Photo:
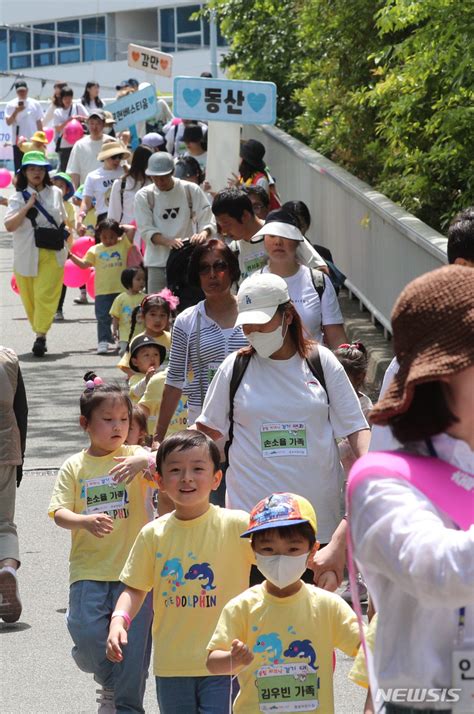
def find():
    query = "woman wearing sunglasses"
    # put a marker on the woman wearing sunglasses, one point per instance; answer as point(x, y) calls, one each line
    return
point(98, 183)
point(203, 335)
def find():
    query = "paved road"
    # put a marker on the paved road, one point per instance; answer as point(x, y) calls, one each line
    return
point(37, 674)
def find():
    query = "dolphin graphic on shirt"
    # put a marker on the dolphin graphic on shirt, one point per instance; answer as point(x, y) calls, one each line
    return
point(201, 571)
point(300, 649)
point(173, 570)
point(270, 644)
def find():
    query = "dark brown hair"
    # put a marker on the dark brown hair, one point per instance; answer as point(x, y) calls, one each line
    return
point(141, 418)
point(21, 183)
point(428, 414)
point(304, 345)
point(287, 532)
point(354, 360)
point(183, 441)
point(91, 399)
point(201, 249)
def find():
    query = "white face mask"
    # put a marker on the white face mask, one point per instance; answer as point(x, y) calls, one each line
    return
point(266, 343)
point(282, 570)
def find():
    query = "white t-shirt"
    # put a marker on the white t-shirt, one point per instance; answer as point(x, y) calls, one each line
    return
point(253, 256)
point(26, 119)
point(284, 431)
point(83, 157)
point(419, 570)
point(382, 438)
point(60, 116)
point(123, 211)
point(98, 185)
point(313, 312)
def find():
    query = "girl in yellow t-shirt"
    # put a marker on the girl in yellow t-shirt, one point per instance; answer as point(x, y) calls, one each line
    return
point(104, 515)
point(154, 312)
point(109, 257)
point(133, 280)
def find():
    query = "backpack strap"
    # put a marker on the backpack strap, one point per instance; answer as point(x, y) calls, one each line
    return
point(241, 363)
point(319, 284)
point(314, 363)
point(122, 191)
point(150, 197)
point(41, 209)
point(189, 198)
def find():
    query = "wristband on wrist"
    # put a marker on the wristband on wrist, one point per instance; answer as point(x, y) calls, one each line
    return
point(150, 470)
point(125, 615)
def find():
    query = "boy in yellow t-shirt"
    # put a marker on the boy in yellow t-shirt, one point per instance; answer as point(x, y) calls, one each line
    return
point(195, 561)
point(133, 280)
point(279, 636)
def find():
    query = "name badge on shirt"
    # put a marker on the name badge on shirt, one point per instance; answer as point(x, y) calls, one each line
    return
point(254, 262)
point(104, 494)
point(287, 688)
point(212, 368)
point(463, 681)
point(283, 439)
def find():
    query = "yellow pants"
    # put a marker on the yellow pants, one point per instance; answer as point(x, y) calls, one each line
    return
point(40, 294)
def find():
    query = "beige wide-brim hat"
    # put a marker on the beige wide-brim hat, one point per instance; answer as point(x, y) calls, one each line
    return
point(112, 148)
point(433, 335)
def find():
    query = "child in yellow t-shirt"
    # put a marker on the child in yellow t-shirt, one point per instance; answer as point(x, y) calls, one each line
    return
point(195, 561)
point(279, 636)
point(154, 312)
point(109, 257)
point(104, 515)
point(64, 182)
point(133, 280)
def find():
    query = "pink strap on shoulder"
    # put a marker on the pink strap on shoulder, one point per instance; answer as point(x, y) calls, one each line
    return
point(450, 489)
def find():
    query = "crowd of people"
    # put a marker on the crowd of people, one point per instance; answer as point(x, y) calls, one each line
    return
point(219, 458)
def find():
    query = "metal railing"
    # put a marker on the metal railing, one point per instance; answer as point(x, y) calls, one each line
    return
point(378, 245)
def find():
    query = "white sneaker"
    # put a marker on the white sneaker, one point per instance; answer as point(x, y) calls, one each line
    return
point(105, 700)
point(102, 348)
point(10, 603)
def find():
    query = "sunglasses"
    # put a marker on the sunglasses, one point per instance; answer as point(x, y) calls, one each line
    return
point(117, 157)
point(220, 266)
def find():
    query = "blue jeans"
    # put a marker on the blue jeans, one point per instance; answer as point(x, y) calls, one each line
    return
point(91, 603)
point(103, 303)
point(194, 695)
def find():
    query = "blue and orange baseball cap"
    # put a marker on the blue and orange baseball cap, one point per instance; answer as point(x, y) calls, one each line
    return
point(278, 510)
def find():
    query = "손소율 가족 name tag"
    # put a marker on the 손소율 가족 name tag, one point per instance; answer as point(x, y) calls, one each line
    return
point(283, 439)
point(104, 494)
point(463, 681)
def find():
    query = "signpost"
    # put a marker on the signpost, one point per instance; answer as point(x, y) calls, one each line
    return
point(148, 60)
point(225, 104)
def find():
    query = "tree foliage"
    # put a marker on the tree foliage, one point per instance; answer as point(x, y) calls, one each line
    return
point(382, 87)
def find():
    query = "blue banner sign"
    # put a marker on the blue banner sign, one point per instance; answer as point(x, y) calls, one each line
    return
point(243, 102)
point(133, 108)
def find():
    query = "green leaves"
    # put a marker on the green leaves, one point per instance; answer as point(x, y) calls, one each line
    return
point(383, 87)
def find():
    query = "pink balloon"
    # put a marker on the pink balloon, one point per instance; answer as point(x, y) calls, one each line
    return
point(14, 285)
point(90, 284)
point(5, 178)
point(49, 134)
point(74, 276)
point(82, 245)
point(73, 131)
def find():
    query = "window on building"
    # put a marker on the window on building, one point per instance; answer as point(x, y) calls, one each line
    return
point(93, 39)
point(51, 43)
point(179, 30)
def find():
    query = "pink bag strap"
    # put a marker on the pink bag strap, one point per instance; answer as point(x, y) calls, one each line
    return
point(450, 489)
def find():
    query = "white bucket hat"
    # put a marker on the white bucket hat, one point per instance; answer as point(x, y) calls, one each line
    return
point(258, 298)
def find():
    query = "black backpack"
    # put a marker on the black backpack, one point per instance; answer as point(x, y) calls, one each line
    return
point(177, 276)
point(241, 363)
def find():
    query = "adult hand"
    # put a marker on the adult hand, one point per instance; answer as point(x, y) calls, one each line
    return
point(99, 524)
point(234, 181)
point(330, 558)
point(31, 201)
point(199, 237)
point(328, 581)
point(175, 243)
point(19, 108)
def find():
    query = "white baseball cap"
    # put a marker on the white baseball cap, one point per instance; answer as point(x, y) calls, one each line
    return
point(153, 139)
point(258, 298)
point(277, 228)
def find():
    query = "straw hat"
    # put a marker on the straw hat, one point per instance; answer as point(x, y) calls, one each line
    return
point(112, 148)
point(433, 335)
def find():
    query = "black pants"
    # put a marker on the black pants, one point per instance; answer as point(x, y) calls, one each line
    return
point(64, 155)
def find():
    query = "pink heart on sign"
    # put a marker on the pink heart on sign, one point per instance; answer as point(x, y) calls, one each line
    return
point(135, 56)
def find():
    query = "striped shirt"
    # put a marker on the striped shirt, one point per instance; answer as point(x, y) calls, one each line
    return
point(193, 362)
